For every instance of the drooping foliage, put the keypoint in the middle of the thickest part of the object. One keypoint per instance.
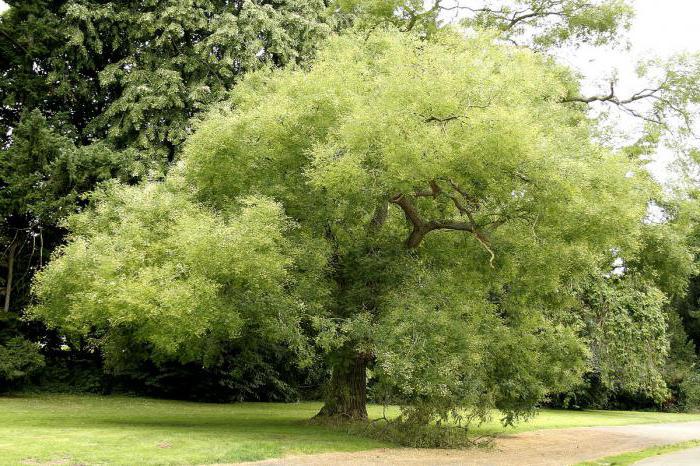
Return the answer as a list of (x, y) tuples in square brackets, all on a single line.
[(631, 313), (625, 322), (179, 277), (423, 209)]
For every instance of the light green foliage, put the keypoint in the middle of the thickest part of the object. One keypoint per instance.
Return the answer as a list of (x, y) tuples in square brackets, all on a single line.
[(625, 322), (427, 206), (457, 131), (667, 104), (182, 277)]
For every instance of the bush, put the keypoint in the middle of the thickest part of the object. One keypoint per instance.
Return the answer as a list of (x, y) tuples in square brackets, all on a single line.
[(689, 393), (18, 359)]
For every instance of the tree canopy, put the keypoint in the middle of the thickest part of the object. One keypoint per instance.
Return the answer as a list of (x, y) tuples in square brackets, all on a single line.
[(424, 209), (135, 72), (429, 209)]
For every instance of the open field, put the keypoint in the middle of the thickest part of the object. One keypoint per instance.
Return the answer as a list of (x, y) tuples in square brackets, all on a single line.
[(124, 430)]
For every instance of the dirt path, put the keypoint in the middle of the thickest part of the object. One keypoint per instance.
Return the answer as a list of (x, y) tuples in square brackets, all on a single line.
[(544, 447)]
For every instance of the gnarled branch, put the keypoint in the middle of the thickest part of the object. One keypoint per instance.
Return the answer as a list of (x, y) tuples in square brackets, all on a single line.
[(422, 227), (612, 98)]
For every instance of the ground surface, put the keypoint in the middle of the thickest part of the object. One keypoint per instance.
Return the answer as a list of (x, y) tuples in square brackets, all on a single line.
[(633, 457), (123, 430), (679, 458), (544, 447)]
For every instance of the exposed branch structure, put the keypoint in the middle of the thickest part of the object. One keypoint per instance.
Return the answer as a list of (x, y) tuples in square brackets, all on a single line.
[(612, 98), (465, 204), (510, 20)]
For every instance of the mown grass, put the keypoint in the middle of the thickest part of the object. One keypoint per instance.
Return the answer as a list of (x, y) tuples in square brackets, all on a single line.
[(563, 419), (129, 430), (626, 459)]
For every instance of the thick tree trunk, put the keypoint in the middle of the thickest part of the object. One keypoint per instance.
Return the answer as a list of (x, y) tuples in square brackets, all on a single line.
[(10, 273), (346, 398)]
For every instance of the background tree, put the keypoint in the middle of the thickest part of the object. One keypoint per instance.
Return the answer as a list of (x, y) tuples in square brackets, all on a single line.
[(426, 208), (633, 315), (624, 321), (137, 71), (540, 24)]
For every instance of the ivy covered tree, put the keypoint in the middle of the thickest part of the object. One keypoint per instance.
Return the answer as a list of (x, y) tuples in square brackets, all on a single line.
[(627, 328), (421, 208)]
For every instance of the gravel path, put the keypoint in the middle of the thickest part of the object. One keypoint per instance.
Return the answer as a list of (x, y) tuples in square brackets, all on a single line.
[(679, 458), (543, 447)]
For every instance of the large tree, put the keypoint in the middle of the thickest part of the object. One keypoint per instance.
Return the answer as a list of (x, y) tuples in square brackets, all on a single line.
[(420, 208)]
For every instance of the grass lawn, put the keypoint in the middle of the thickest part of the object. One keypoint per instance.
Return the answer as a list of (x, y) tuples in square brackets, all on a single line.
[(125, 430), (627, 459)]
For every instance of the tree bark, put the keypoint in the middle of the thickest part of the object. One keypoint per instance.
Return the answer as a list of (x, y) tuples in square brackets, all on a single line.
[(10, 272), (346, 398)]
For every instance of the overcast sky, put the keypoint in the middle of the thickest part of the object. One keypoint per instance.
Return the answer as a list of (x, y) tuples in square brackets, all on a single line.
[(661, 28)]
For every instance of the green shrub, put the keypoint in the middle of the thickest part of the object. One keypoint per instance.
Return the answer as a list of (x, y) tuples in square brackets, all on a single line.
[(689, 393), (18, 359)]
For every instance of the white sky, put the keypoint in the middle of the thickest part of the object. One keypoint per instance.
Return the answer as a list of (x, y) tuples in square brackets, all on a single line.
[(666, 26), (661, 28)]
